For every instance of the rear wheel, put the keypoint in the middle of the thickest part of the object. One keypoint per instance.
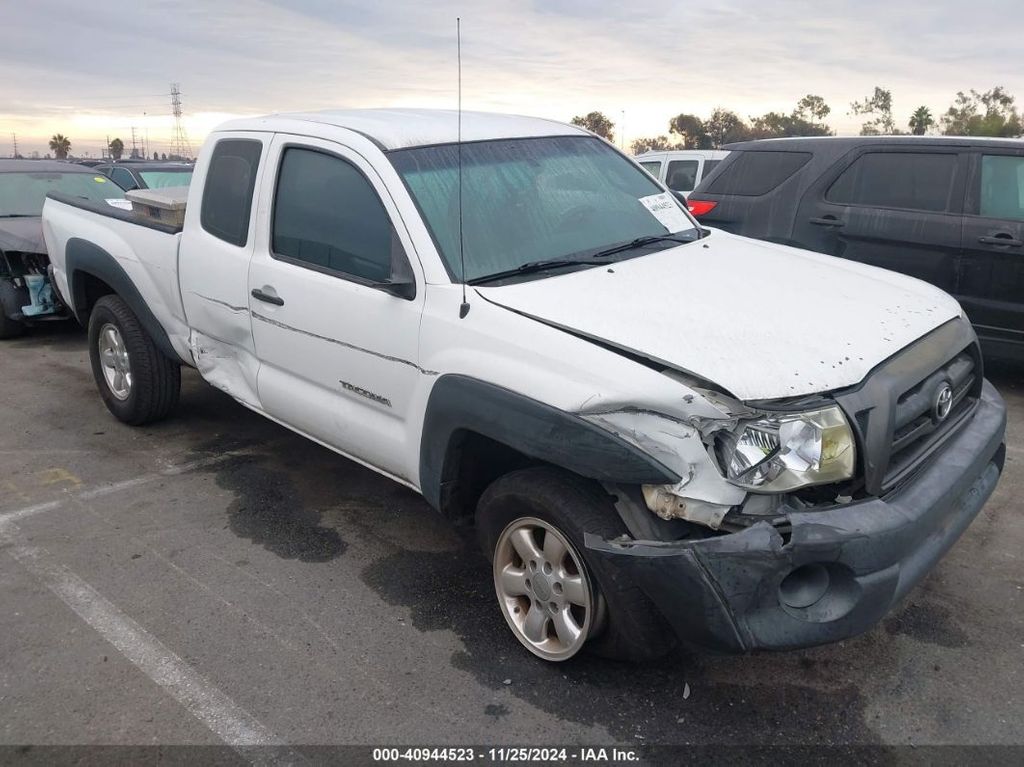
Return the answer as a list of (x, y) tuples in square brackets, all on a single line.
[(137, 381), (554, 597)]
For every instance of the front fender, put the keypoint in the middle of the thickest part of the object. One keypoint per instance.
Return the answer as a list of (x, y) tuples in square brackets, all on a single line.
[(533, 428)]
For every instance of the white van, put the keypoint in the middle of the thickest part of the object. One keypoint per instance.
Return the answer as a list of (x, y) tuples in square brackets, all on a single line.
[(682, 169)]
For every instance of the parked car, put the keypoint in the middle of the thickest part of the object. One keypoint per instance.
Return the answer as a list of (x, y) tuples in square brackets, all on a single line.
[(652, 424), (946, 210), (681, 170), (136, 174), (26, 294)]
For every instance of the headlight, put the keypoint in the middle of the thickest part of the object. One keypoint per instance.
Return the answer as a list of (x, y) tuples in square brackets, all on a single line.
[(787, 451)]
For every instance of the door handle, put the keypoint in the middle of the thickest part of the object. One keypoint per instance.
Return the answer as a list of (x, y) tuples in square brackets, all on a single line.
[(827, 221), (1002, 238), (259, 295)]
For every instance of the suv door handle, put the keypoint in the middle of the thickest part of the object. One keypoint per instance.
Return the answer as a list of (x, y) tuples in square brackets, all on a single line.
[(259, 295), (1002, 238), (827, 221)]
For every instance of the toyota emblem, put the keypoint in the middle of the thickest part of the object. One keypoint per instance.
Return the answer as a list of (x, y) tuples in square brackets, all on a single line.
[(943, 402)]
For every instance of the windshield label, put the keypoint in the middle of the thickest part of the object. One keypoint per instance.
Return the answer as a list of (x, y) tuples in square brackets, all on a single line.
[(664, 208)]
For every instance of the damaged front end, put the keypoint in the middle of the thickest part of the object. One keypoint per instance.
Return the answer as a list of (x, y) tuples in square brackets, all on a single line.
[(799, 523), (28, 292)]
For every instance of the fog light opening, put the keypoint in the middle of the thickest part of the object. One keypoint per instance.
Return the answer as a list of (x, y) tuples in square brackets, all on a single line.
[(804, 586)]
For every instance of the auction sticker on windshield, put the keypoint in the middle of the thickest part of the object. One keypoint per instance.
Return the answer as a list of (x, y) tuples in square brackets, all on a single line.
[(664, 208)]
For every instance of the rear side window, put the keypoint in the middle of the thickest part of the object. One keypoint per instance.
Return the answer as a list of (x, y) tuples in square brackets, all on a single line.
[(654, 168), (1002, 187), (682, 175), (908, 180), (328, 216), (227, 195), (709, 165), (756, 173)]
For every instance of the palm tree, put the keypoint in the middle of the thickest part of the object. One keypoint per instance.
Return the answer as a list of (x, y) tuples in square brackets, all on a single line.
[(60, 145), (921, 121)]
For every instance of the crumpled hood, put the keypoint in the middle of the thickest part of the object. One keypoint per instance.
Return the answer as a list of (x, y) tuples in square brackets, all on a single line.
[(22, 234), (760, 320)]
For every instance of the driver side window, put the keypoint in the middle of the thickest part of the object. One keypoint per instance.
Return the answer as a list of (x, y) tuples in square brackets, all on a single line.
[(328, 217)]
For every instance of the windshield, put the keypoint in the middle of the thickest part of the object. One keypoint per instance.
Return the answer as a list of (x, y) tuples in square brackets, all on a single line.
[(158, 179), (528, 200), (23, 193)]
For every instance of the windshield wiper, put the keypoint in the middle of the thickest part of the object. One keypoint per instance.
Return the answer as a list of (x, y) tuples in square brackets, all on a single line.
[(600, 257), (639, 242), (532, 267), (19, 215)]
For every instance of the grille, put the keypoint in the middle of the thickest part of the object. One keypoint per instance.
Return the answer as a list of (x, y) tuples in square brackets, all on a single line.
[(894, 409), (916, 428)]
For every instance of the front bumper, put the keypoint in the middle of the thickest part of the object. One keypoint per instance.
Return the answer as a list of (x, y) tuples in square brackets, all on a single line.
[(723, 593)]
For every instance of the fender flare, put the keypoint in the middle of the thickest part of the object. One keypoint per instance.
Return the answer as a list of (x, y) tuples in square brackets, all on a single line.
[(535, 429), (82, 257)]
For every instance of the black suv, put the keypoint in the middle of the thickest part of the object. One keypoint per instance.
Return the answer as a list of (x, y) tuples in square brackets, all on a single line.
[(946, 210)]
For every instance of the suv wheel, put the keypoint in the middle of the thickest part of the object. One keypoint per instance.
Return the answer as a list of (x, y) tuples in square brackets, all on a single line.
[(137, 382), (554, 598)]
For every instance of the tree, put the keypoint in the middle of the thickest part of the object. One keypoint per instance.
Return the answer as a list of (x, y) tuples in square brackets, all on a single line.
[(879, 105), (690, 129), (156, 155), (641, 145), (812, 108), (163, 155), (921, 120), (116, 148), (725, 127), (60, 145), (991, 113), (596, 122)]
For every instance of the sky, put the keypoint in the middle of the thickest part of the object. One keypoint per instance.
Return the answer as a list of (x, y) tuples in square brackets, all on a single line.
[(96, 68)]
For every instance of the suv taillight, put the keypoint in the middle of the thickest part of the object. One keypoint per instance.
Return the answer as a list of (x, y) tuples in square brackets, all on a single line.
[(700, 207)]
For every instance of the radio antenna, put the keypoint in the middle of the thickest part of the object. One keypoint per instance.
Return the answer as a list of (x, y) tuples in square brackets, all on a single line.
[(464, 308)]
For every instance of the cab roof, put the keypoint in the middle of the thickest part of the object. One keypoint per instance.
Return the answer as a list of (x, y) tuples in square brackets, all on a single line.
[(404, 128)]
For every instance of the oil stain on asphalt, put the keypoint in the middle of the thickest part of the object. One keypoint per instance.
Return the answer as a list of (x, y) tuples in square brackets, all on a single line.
[(269, 510)]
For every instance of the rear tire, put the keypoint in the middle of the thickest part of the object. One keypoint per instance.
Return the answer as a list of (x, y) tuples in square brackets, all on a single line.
[(138, 383), (10, 301), (624, 624)]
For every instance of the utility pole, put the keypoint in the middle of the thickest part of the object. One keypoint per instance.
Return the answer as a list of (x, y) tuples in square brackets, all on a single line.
[(106, 150)]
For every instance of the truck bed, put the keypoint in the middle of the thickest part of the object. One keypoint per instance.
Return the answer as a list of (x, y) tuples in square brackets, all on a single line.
[(78, 230)]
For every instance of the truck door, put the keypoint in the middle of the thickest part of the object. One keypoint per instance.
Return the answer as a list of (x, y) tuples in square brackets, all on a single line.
[(897, 207), (991, 287), (336, 297), (213, 263)]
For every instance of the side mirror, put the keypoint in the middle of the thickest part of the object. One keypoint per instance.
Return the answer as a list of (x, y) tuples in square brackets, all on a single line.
[(399, 288)]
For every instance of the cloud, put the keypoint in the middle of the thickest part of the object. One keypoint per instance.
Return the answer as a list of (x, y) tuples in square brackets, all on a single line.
[(93, 68)]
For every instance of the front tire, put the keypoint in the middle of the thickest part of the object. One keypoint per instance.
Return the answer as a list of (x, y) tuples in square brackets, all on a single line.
[(554, 597), (137, 381)]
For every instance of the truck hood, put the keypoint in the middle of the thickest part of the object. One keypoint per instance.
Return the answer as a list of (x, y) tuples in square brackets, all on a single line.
[(762, 321), (24, 235)]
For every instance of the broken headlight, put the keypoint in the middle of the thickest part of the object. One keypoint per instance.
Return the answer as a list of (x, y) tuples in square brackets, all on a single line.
[(788, 451)]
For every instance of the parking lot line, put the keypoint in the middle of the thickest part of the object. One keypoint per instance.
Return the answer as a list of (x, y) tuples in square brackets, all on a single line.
[(218, 712), (114, 487)]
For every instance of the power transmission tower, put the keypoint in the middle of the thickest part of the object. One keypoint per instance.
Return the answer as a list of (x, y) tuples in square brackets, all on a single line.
[(181, 146), (14, 140), (135, 149)]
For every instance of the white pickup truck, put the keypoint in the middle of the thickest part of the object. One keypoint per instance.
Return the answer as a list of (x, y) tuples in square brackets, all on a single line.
[(660, 431)]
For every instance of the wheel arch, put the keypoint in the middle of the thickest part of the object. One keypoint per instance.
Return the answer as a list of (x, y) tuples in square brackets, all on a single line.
[(93, 273), (475, 431)]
